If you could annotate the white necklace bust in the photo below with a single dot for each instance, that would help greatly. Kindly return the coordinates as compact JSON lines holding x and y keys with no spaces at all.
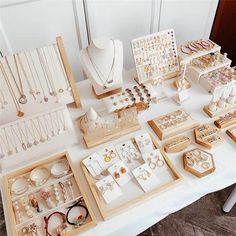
{"x":102,"y":61}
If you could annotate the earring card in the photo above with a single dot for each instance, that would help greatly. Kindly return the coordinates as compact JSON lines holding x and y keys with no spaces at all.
{"x":134,"y":189}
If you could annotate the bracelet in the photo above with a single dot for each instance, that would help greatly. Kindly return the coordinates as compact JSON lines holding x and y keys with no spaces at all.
{"x":60,"y":228}
{"x":81,"y":218}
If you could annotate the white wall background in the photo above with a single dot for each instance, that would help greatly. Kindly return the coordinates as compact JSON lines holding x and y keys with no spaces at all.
{"x":27,"y":24}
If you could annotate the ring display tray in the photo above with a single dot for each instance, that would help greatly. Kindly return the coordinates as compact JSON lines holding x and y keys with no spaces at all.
{"x":136,"y":174}
{"x":172,"y":124}
{"x":36,"y":80}
{"x":41,"y":189}
{"x":232,"y":133}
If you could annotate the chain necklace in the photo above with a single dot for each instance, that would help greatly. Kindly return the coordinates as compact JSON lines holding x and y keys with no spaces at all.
{"x":51,"y":121}
{"x":62,"y":67}
{"x":36,"y":142}
{"x":45,"y":98}
{"x":20,"y":137}
{"x":62,"y":119}
{"x":22,"y":99}
{"x":3,"y":101}
{"x":2,"y":155}
{"x":16,"y":103}
{"x":42,"y":139}
{"x":9,"y":150}
{"x":14,"y":139}
{"x":60,"y":90}
{"x":105,"y":80}
{"x":31,"y":90}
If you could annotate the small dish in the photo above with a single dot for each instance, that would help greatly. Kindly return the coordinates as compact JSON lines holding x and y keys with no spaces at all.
{"x":60,"y":168}
{"x":19,"y":185}
{"x":39,"y":176}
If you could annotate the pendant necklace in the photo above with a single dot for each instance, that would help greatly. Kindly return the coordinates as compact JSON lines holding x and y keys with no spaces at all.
{"x":45,"y":98}
{"x":22,"y":99}
{"x":60,"y":90}
{"x":3,"y":101}
{"x":37,"y":92}
{"x":14,"y":139}
{"x":20,"y":138}
{"x":59,"y":131}
{"x":2,"y":155}
{"x":44,"y":72}
{"x":9,"y":152}
{"x":46,"y":126}
{"x":62,"y":67}
{"x":29,"y":144}
{"x":16,"y":102}
{"x":105,"y":80}
{"x":62,"y":119}
{"x":36,"y":142}
{"x":39,"y":130}
{"x":31,"y":90}
{"x":51,"y":121}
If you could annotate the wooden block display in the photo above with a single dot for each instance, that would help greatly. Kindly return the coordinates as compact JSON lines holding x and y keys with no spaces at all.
{"x":155,"y":56}
{"x":131,"y":193}
{"x":177,"y":144}
{"x":226,"y":120}
{"x":172,"y":124}
{"x":208,"y":136}
{"x":40,"y":189}
{"x":36,"y":80}
{"x":219,"y":110}
{"x":232,"y":133}
{"x":199,"y":162}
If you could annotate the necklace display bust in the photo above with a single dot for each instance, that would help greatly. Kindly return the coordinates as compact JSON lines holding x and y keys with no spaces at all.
{"x":102,"y":61}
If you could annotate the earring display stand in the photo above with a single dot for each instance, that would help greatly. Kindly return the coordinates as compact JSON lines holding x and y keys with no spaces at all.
{"x":199,"y":162}
{"x":34,"y":135}
{"x":109,"y":126}
{"x":148,"y":179}
{"x":232,"y":133}
{"x":37,"y":80}
{"x":208,"y":136}
{"x":172,"y":124}
{"x":27,"y":209}
{"x":155,"y":56}
{"x":177,"y":144}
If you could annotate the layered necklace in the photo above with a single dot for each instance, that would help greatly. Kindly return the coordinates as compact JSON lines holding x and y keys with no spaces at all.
{"x":104,"y":79}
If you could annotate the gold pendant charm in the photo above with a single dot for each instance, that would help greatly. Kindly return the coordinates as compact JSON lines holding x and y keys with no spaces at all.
{"x":20,"y":114}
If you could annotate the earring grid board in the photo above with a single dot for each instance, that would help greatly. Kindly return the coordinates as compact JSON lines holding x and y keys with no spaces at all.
{"x":132,"y":193}
{"x":33,"y":136}
{"x":76,"y":193}
{"x":36,"y":80}
{"x":155,"y":56}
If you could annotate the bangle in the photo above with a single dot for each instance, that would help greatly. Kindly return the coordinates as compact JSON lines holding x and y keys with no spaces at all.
{"x":80,"y":220}
{"x":60,"y":228}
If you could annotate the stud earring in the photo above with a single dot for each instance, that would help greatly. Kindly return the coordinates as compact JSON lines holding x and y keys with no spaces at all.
{"x":107,"y":158}
{"x":123,"y":170}
{"x":56,"y":193}
{"x":28,"y":209}
{"x":117,"y":175}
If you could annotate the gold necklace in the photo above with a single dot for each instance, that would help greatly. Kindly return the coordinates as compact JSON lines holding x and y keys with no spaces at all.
{"x":15,"y":101}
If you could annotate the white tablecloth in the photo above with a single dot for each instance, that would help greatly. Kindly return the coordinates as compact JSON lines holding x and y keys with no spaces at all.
{"x":139,"y":218}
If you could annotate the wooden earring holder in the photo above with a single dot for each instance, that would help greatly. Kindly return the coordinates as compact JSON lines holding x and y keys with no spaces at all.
{"x":208,"y":136}
{"x":177,"y":144}
{"x":196,"y":169}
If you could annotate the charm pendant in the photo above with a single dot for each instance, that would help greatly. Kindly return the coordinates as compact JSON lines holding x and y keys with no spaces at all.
{"x":29,"y":145}
{"x":10,"y":152}
{"x":32,"y":92}
{"x":42,"y":139}
{"x":51,"y":93}
{"x":16,"y":150}
{"x":105,"y":87}
{"x":36,"y":142}
{"x":24,"y":146}
{"x":20,"y":113}
{"x":45,"y":99}
{"x":38,"y":92}
{"x":61,"y":90}
{"x":69,"y":89}
{"x":22,"y":99}
{"x":110,"y":81}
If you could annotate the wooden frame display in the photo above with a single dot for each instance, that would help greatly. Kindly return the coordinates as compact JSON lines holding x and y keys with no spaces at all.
{"x":226,"y":120}
{"x":122,"y":205}
{"x":172,"y":124}
{"x":36,"y":80}
{"x":19,"y":221}
{"x":232,"y":133}
{"x":219,"y":111}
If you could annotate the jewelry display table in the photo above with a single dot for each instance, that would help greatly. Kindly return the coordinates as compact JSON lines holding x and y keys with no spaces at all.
{"x":139,"y":218}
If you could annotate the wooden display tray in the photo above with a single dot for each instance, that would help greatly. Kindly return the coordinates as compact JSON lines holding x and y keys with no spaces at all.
{"x":220,"y":110}
{"x":226,"y":123}
{"x":173,"y":131}
{"x":108,"y":212}
{"x":91,"y":221}
{"x":231,"y":134}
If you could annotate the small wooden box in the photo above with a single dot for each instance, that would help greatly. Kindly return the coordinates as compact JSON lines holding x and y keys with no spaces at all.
{"x":128,"y":201}
{"x":16,"y":226}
